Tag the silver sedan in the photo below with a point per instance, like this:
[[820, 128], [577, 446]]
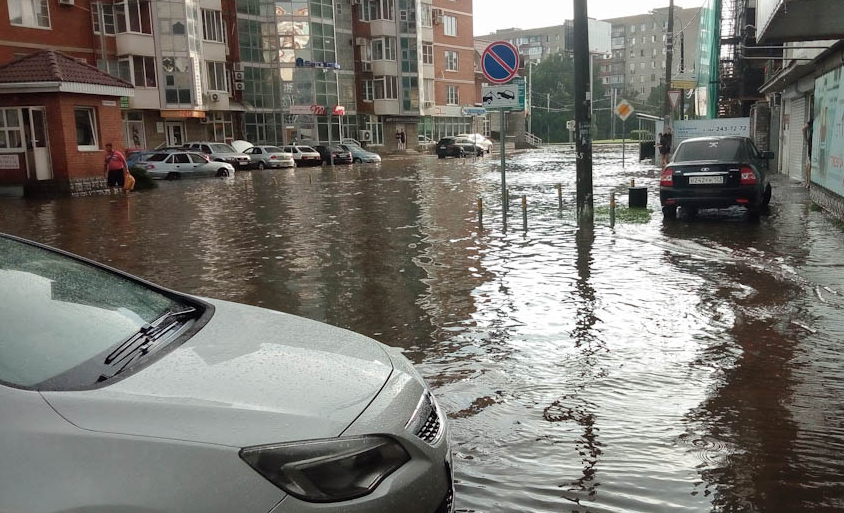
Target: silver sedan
[[175, 165], [127, 397], [269, 156]]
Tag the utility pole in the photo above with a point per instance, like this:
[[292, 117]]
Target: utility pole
[[683, 71], [669, 43], [548, 115], [582, 109], [614, 92]]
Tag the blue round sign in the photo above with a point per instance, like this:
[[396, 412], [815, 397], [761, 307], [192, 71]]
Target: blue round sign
[[500, 62]]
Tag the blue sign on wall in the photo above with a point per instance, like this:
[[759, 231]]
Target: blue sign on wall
[[828, 132], [500, 62]]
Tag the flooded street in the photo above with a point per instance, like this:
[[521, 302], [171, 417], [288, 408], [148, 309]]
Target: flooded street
[[691, 365]]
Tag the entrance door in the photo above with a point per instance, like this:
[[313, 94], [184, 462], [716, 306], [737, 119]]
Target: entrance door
[[37, 146], [175, 133]]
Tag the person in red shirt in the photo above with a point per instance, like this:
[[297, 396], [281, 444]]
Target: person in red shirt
[[115, 166]]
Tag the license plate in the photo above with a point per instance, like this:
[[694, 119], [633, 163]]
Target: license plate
[[705, 180], [442, 147]]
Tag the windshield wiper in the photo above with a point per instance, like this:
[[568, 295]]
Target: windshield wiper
[[143, 341]]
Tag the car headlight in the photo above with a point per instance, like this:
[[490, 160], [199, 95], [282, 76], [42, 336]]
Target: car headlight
[[329, 470]]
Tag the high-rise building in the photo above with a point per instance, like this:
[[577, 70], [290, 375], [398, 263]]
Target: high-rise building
[[534, 44]]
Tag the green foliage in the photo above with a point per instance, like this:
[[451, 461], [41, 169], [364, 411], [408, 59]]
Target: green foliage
[[142, 179], [624, 215]]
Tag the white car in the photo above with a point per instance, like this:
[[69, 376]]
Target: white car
[[304, 155], [269, 156], [119, 396], [480, 140], [175, 165]]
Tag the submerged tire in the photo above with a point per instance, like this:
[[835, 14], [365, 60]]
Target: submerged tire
[[766, 198], [222, 172], [261, 166], [172, 175], [669, 212]]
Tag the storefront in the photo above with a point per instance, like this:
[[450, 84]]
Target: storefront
[[56, 116]]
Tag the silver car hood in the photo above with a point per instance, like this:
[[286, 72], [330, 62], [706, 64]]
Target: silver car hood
[[250, 376]]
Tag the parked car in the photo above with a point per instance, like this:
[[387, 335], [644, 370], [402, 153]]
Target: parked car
[[470, 147], [138, 156], [341, 156], [480, 140], [425, 143], [124, 392], [269, 156], [359, 155], [221, 152], [448, 147], [351, 142], [176, 165], [303, 155], [715, 172]]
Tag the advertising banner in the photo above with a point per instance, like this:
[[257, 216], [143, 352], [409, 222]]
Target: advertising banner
[[828, 133], [690, 129]]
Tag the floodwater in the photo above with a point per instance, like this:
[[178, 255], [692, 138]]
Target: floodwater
[[692, 365]]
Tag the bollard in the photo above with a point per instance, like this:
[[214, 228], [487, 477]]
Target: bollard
[[560, 196], [524, 212], [612, 209], [632, 182], [310, 178], [480, 210]]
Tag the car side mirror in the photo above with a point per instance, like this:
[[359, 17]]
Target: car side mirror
[[767, 155]]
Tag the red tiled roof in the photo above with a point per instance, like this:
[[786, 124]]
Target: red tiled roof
[[52, 66]]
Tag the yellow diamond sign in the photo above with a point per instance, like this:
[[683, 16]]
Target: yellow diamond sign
[[623, 110]]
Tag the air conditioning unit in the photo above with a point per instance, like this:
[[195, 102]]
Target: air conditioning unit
[[365, 135], [238, 86], [238, 76], [215, 97], [237, 66], [65, 2], [428, 104], [361, 41]]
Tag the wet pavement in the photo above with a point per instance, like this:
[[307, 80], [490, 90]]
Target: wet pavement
[[691, 365]]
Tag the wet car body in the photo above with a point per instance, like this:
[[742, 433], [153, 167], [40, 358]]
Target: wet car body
[[214, 388], [221, 152], [269, 157], [340, 155], [304, 155], [716, 172], [175, 165], [361, 156], [448, 147]]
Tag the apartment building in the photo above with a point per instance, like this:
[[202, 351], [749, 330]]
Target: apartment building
[[638, 45], [535, 44]]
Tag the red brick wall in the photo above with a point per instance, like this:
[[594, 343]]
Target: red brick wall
[[361, 29], [463, 44]]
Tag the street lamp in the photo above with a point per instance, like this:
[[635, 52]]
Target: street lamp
[[530, 94]]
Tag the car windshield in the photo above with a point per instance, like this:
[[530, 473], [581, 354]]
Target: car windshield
[[306, 149], [272, 149], [716, 149], [60, 312], [157, 157], [222, 148]]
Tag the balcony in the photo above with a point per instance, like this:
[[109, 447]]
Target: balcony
[[212, 51], [799, 20], [383, 28], [131, 43], [145, 98], [389, 68], [387, 107]]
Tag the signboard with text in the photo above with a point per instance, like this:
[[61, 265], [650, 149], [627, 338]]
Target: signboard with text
[[828, 133], [689, 129], [506, 96]]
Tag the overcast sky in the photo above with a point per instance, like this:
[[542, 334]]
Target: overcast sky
[[491, 15]]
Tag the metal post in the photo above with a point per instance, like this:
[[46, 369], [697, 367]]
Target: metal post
[[623, 143], [503, 164], [481, 210], [530, 97], [612, 110], [582, 108], [682, 70], [560, 196], [330, 153], [524, 212], [548, 115], [669, 44], [612, 209]]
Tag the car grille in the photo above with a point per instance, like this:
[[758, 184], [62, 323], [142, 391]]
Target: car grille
[[447, 505], [425, 422]]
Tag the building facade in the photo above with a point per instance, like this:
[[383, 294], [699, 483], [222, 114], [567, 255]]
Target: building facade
[[538, 43]]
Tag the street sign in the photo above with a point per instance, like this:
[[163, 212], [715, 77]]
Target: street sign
[[570, 124], [685, 80], [500, 62], [473, 111], [623, 110], [508, 96], [674, 96]]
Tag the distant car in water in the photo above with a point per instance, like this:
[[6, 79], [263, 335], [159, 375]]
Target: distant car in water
[[361, 156], [715, 172], [341, 156], [303, 155], [480, 140], [176, 165], [123, 393], [269, 156], [221, 152], [457, 147], [470, 147]]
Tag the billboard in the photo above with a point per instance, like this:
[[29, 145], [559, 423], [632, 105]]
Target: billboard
[[707, 66], [828, 136], [689, 129]]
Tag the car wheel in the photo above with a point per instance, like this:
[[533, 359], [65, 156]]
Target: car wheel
[[766, 198], [222, 172], [441, 156], [261, 166], [669, 212], [358, 161], [172, 175], [691, 212], [480, 153]]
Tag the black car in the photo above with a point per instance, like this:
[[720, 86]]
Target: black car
[[341, 156], [456, 147], [715, 172]]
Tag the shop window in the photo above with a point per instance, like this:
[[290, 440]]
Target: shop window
[[133, 129], [86, 128], [29, 13]]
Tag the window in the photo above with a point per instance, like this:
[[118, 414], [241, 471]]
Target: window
[[10, 129], [653, 39], [368, 91], [632, 54], [216, 76], [632, 41], [641, 65], [29, 13], [450, 25], [177, 80], [450, 60], [386, 88], [426, 15], [86, 128], [364, 13], [632, 29], [108, 17], [133, 129], [644, 27], [641, 53], [117, 68], [133, 16], [654, 52], [384, 48], [653, 77], [144, 71], [653, 64], [632, 67], [642, 80], [427, 53], [452, 96], [382, 10], [212, 26]]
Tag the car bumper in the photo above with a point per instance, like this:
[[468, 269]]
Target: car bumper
[[425, 484], [309, 162], [710, 197], [280, 163]]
